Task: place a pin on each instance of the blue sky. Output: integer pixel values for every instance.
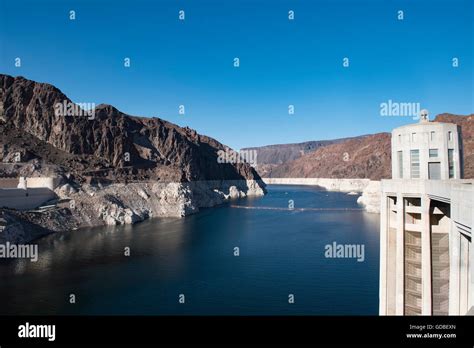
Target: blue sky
(283, 62)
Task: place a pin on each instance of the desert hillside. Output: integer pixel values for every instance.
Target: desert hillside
(110, 145)
(363, 157)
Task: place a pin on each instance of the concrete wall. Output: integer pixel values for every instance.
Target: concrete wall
(462, 205)
(50, 183)
(458, 196)
(32, 182)
(25, 199)
(37, 192)
(423, 137)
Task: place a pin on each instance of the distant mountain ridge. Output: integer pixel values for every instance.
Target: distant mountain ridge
(363, 157)
(282, 153)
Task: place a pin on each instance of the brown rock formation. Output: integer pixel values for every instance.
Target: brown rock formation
(365, 157)
(112, 145)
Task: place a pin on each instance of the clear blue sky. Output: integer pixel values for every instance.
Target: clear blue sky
(282, 62)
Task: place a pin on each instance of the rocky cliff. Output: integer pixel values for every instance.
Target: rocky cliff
(114, 168)
(109, 143)
(365, 157)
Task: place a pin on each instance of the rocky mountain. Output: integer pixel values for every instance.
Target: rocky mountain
(282, 153)
(364, 157)
(104, 143)
(110, 168)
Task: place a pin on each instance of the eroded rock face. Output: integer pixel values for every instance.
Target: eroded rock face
(366, 157)
(113, 168)
(371, 197)
(127, 204)
(22, 227)
(105, 143)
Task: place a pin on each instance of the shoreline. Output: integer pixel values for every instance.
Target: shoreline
(120, 204)
(369, 189)
(342, 185)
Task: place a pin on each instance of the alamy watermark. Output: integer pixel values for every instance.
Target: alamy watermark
(345, 251)
(400, 109)
(67, 108)
(233, 157)
(19, 251)
(28, 330)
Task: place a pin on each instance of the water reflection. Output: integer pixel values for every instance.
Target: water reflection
(281, 251)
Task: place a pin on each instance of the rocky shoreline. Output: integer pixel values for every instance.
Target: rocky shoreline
(116, 204)
(108, 168)
(133, 202)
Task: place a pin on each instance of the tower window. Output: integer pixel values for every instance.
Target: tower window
(400, 164)
(450, 135)
(433, 153)
(415, 164)
(451, 163)
(432, 135)
(413, 136)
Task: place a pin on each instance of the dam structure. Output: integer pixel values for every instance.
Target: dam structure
(426, 222)
(25, 193)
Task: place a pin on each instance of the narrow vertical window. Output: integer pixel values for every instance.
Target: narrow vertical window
(450, 135)
(400, 164)
(432, 135)
(415, 164)
(451, 163)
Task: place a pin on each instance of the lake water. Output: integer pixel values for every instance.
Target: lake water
(282, 252)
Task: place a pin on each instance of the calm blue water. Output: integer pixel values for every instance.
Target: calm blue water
(281, 253)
